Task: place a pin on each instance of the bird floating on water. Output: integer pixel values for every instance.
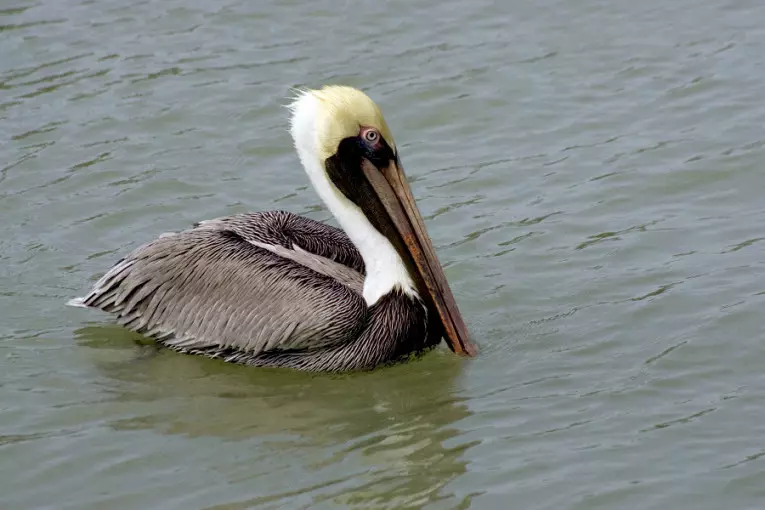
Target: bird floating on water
(274, 289)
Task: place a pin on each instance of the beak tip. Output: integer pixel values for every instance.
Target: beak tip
(464, 348)
(470, 350)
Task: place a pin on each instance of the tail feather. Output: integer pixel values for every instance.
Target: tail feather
(79, 302)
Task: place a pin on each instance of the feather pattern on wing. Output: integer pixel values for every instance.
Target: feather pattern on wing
(242, 285)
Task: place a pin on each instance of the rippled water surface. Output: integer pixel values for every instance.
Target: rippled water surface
(591, 172)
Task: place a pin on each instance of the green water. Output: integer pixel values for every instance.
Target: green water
(592, 176)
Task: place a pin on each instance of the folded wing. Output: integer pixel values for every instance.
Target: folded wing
(240, 286)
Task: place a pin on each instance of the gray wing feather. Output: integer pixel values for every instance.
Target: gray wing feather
(246, 283)
(284, 229)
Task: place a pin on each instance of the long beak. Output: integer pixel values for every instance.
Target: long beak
(392, 189)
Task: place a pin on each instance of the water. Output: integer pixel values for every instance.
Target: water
(591, 174)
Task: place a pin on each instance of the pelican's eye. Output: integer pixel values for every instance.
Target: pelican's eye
(370, 135)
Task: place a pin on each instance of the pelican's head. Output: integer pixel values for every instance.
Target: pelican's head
(341, 112)
(349, 153)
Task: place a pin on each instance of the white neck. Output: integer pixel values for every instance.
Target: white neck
(384, 268)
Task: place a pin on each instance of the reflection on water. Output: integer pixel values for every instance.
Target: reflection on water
(395, 422)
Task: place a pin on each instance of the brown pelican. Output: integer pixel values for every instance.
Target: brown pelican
(280, 290)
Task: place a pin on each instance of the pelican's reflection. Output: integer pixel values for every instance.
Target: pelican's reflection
(395, 420)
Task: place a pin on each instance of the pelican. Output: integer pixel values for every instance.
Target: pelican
(274, 289)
